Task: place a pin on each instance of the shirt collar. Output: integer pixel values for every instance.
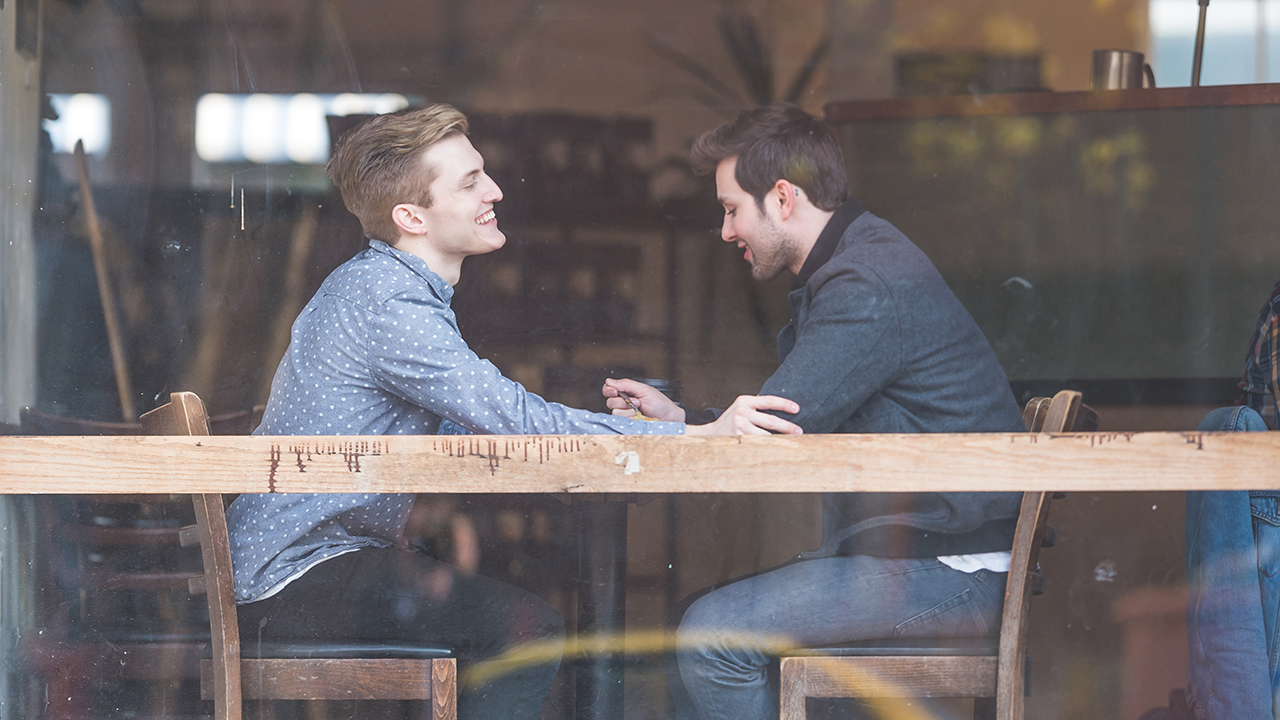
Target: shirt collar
(442, 289)
(827, 242)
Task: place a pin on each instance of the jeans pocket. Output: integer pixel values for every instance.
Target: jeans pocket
(1266, 535)
(1265, 508)
(954, 617)
(1267, 539)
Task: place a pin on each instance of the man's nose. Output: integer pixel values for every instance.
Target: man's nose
(494, 193)
(726, 230)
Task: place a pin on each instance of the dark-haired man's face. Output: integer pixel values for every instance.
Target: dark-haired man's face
(767, 246)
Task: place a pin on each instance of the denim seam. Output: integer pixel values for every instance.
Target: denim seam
(964, 597)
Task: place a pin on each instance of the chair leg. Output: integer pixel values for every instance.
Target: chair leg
(444, 689)
(791, 688)
(984, 709)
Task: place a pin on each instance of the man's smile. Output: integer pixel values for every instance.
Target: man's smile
(486, 218)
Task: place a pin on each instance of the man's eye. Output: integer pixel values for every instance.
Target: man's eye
(729, 212)
(468, 186)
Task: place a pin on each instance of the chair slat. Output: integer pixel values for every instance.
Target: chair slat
(351, 679)
(885, 677)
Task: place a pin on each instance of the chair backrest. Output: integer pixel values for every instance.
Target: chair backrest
(184, 414)
(1070, 414)
(1064, 413)
(1034, 413)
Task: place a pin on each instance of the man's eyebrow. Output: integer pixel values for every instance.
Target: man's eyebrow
(468, 177)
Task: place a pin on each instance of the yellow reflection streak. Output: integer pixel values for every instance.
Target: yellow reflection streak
(857, 684)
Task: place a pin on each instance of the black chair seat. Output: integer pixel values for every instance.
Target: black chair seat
(321, 650)
(914, 647)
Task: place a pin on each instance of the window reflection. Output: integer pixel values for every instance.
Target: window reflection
(274, 128)
(82, 117)
(1242, 41)
(1123, 253)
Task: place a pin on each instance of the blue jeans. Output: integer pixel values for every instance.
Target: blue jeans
(729, 637)
(1233, 557)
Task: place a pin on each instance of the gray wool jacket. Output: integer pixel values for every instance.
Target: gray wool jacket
(878, 343)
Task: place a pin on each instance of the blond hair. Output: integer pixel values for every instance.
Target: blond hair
(378, 164)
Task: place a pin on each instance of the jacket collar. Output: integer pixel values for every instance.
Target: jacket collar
(829, 240)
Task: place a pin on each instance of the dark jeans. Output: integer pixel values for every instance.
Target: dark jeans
(1233, 578)
(728, 638)
(402, 597)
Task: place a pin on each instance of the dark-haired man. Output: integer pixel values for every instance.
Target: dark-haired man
(877, 343)
(377, 351)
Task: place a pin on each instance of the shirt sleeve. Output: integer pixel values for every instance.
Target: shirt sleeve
(848, 348)
(417, 353)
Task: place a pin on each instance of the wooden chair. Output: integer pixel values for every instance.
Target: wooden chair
(296, 670)
(990, 670)
(125, 631)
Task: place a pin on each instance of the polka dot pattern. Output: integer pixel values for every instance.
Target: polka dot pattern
(377, 351)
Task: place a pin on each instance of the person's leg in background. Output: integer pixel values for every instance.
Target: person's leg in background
(1230, 667)
(1266, 531)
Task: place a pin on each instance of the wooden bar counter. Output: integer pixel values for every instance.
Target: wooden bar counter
(634, 464)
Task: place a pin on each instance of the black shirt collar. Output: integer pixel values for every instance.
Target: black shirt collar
(827, 242)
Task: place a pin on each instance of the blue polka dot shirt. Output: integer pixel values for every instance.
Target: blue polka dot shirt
(377, 351)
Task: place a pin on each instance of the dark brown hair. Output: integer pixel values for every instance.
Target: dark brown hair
(378, 164)
(777, 142)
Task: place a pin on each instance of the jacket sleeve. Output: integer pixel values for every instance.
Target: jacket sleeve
(848, 347)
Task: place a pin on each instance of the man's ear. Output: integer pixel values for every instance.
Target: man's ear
(783, 196)
(410, 219)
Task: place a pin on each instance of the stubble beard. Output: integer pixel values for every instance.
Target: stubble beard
(781, 251)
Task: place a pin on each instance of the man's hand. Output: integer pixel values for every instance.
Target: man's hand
(744, 417)
(649, 400)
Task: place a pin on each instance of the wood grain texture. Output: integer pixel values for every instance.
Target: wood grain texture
(226, 674)
(1051, 102)
(328, 679)
(791, 688)
(184, 414)
(444, 689)
(1015, 618)
(955, 676)
(597, 464)
(1063, 410)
